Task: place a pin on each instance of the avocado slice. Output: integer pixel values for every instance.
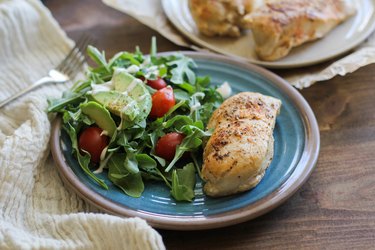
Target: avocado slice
(100, 115)
(119, 104)
(135, 88)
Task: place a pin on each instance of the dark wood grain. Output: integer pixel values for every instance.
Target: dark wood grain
(335, 209)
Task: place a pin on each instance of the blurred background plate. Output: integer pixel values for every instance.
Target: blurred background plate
(297, 145)
(343, 38)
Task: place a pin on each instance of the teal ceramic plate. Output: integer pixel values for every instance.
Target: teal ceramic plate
(296, 151)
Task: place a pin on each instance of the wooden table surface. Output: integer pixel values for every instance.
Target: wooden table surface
(334, 209)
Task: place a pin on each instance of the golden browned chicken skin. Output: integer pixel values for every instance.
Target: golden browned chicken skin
(280, 25)
(241, 146)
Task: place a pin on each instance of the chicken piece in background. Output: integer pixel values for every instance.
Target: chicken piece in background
(241, 147)
(220, 17)
(280, 25)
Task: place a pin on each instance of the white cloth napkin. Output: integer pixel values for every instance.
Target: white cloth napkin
(36, 209)
(150, 13)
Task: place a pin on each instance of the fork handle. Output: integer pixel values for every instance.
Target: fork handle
(24, 91)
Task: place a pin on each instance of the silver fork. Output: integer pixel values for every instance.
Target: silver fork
(65, 71)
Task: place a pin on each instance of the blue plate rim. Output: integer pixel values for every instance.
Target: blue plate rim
(297, 178)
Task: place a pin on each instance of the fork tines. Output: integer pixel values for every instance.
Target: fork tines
(73, 62)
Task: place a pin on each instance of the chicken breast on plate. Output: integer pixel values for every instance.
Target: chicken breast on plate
(280, 25)
(241, 147)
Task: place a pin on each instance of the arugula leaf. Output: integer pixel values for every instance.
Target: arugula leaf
(97, 57)
(149, 168)
(138, 54)
(181, 95)
(192, 141)
(182, 69)
(173, 109)
(163, 71)
(183, 183)
(196, 164)
(145, 161)
(58, 105)
(129, 183)
(76, 117)
(156, 174)
(153, 49)
(178, 122)
(212, 96)
(130, 161)
(81, 86)
(123, 59)
(203, 82)
(153, 137)
(188, 87)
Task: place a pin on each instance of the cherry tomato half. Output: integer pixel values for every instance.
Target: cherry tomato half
(159, 83)
(166, 145)
(93, 142)
(162, 101)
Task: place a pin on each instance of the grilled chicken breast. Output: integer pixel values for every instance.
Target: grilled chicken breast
(241, 147)
(219, 17)
(280, 25)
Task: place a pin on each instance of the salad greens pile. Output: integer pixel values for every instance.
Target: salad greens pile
(114, 99)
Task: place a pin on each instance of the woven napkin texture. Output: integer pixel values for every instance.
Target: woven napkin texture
(36, 209)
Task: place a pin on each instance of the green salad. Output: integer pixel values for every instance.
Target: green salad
(139, 118)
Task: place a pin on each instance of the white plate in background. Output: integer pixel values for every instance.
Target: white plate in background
(343, 38)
